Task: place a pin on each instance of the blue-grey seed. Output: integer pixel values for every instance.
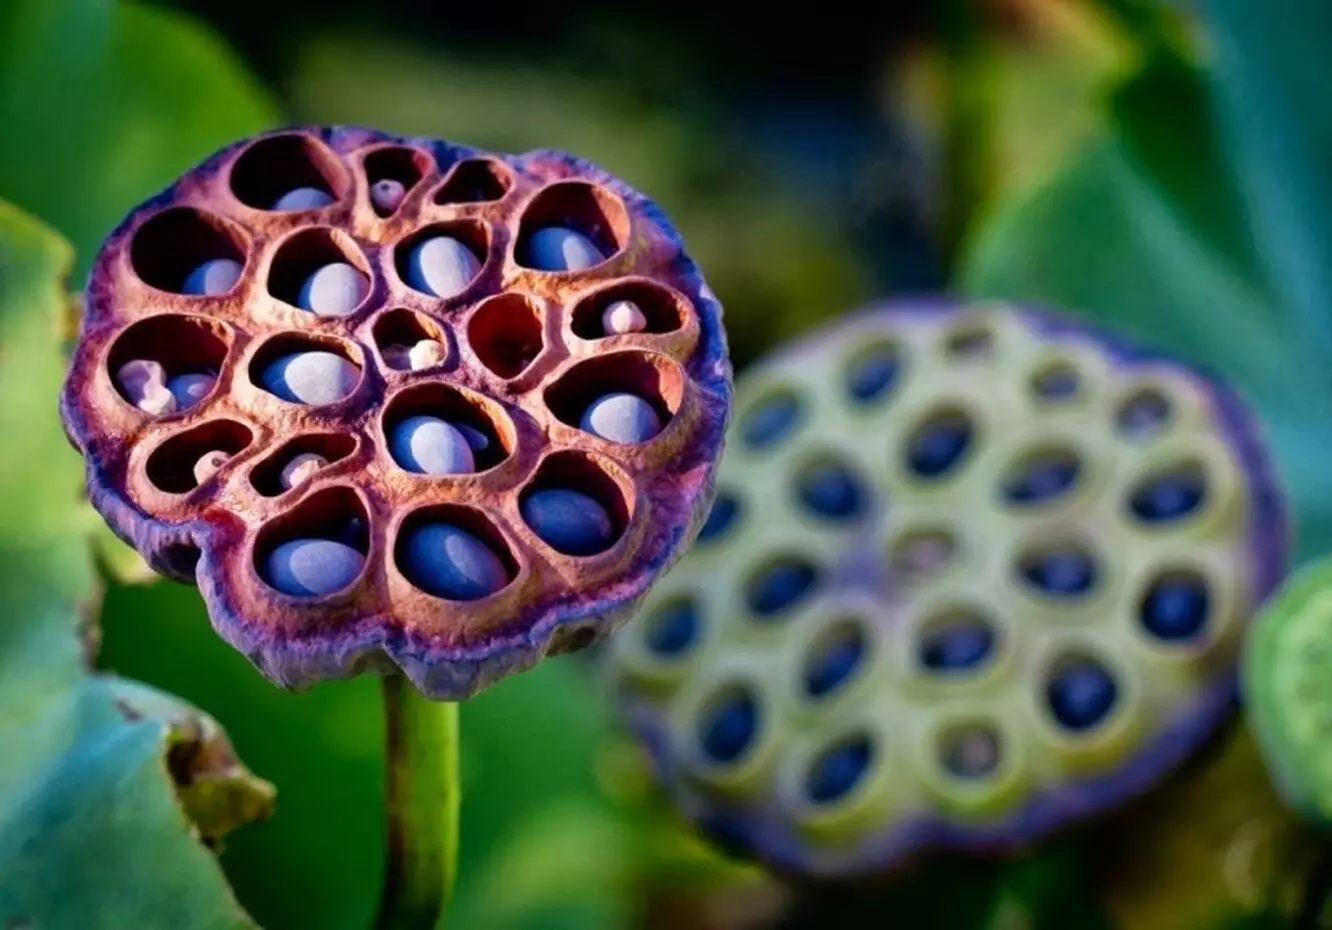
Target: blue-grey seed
(449, 562)
(571, 522)
(313, 567)
(312, 377)
(623, 418)
(213, 277)
(441, 266)
(189, 389)
(431, 446)
(336, 289)
(303, 198)
(557, 248)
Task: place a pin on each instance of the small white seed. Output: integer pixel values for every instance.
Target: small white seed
(208, 465)
(213, 277)
(157, 400)
(336, 289)
(558, 248)
(387, 194)
(441, 266)
(623, 316)
(303, 198)
(301, 468)
(134, 377)
(191, 388)
(427, 353)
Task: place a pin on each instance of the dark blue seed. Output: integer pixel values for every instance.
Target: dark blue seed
(1176, 608)
(1144, 415)
(780, 586)
(834, 663)
(1168, 497)
(673, 628)
(873, 376)
(720, 518)
(1061, 572)
(1041, 479)
(957, 646)
(939, 446)
(1081, 694)
(838, 770)
(730, 728)
(771, 421)
(831, 491)
(1058, 383)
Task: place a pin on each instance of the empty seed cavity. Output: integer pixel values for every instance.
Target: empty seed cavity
(958, 641)
(770, 420)
(454, 553)
(321, 271)
(410, 341)
(1176, 606)
(1063, 570)
(475, 180)
(168, 363)
(1169, 494)
(831, 490)
(971, 341)
(1146, 413)
(1041, 477)
(443, 260)
(632, 305)
(839, 769)
(971, 751)
(392, 171)
(507, 333)
(433, 428)
(305, 371)
(939, 445)
(291, 171)
(872, 375)
(729, 726)
(780, 586)
(834, 660)
(1056, 383)
(318, 548)
(1080, 692)
(574, 505)
(624, 397)
(922, 554)
(725, 511)
(187, 251)
(571, 226)
(190, 458)
(672, 629)
(298, 460)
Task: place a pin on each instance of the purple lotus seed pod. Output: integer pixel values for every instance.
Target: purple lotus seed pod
(945, 601)
(318, 554)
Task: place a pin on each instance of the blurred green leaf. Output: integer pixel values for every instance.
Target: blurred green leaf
(91, 831)
(104, 103)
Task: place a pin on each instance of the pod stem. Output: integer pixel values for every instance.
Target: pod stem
(422, 798)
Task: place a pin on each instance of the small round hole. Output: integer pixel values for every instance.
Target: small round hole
(873, 375)
(454, 553)
(780, 586)
(1176, 607)
(959, 641)
(831, 491)
(972, 751)
(482, 423)
(729, 726)
(274, 167)
(318, 548)
(444, 259)
(939, 445)
(1042, 477)
(506, 333)
(574, 506)
(187, 251)
(673, 628)
(923, 554)
(410, 341)
(634, 305)
(834, 661)
(1057, 383)
(276, 474)
(726, 510)
(624, 397)
(970, 342)
(839, 769)
(1144, 414)
(1059, 571)
(1081, 692)
(174, 466)
(321, 271)
(391, 173)
(1169, 495)
(305, 370)
(571, 226)
(770, 420)
(475, 180)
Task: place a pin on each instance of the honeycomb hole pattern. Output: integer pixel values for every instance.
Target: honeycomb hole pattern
(234, 478)
(1048, 606)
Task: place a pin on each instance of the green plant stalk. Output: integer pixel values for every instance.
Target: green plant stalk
(421, 802)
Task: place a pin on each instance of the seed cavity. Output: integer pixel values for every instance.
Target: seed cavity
(447, 561)
(1081, 693)
(209, 464)
(621, 317)
(621, 417)
(839, 769)
(569, 521)
(1063, 571)
(1176, 607)
(939, 445)
(430, 445)
(311, 377)
(730, 727)
(558, 248)
(958, 642)
(921, 554)
(780, 586)
(970, 752)
(770, 421)
(1057, 383)
(335, 290)
(672, 629)
(1043, 477)
(313, 567)
(834, 661)
(1170, 495)
(300, 469)
(873, 375)
(725, 511)
(830, 490)
(441, 266)
(387, 195)
(213, 277)
(1145, 414)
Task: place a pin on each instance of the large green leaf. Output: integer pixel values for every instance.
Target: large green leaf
(1150, 230)
(103, 103)
(93, 832)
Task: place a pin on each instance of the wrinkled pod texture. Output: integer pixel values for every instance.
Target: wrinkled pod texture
(380, 386)
(974, 573)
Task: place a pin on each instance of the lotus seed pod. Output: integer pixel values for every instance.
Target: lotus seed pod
(936, 609)
(208, 465)
(624, 418)
(303, 198)
(320, 549)
(623, 316)
(213, 277)
(431, 446)
(441, 266)
(336, 289)
(189, 389)
(311, 377)
(300, 469)
(559, 249)
(387, 195)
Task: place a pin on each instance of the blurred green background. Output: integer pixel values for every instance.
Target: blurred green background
(1159, 166)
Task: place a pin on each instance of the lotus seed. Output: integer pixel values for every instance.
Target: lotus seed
(1168, 497)
(189, 389)
(208, 465)
(1175, 608)
(939, 446)
(673, 628)
(780, 586)
(441, 266)
(136, 375)
(570, 522)
(387, 194)
(831, 491)
(299, 469)
(157, 400)
(1081, 695)
(303, 198)
(1043, 478)
(838, 771)
(623, 418)
(427, 353)
(873, 376)
(730, 729)
(213, 277)
(313, 377)
(336, 289)
(431, 446)
(834, 663)
(475, 438)
(957, 646)
(313, 567)
(449, 562)
(1144, 415)
(1061, 572)
(623, 316)
(558, 248)
(770, 421)
(724, 512)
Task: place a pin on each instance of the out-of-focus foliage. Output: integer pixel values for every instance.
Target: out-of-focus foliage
(106, 786)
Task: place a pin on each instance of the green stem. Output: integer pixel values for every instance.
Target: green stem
(421, 804)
